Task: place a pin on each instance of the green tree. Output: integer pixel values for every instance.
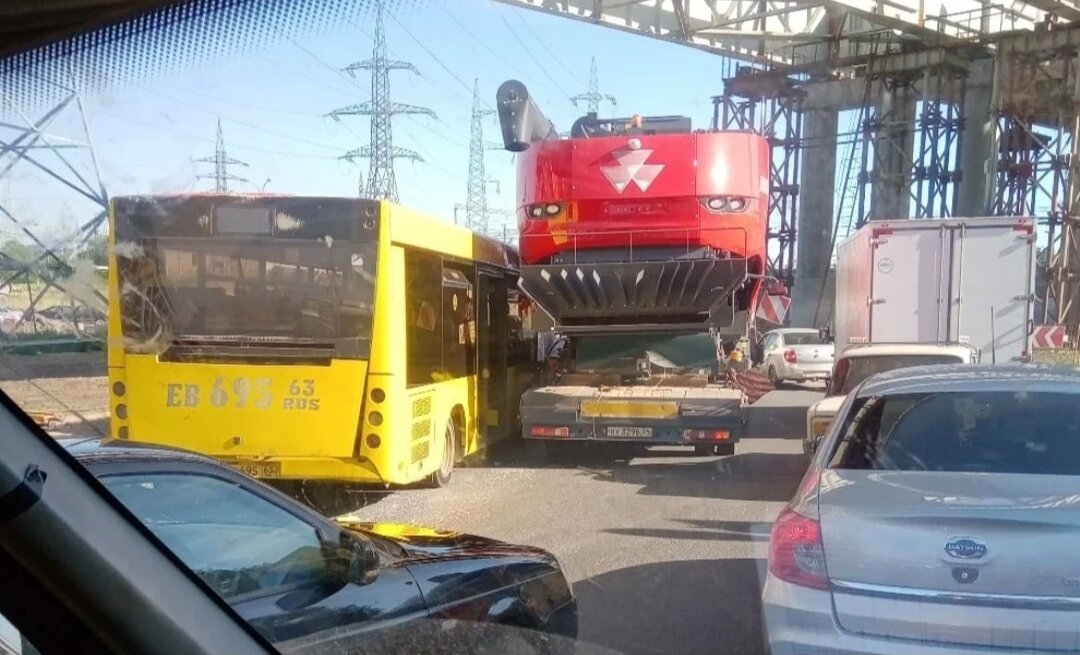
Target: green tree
(96, 249)
(17, 253)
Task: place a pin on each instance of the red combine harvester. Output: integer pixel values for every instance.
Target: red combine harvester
(645, 243)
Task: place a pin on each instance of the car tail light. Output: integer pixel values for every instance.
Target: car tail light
(796, 552)
(789, 357)
(548, 431)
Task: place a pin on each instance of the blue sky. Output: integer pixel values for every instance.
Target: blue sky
(273, 101)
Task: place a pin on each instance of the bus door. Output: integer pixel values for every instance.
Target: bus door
(492, 299)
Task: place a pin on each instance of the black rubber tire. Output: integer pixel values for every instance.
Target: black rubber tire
(442, 476)
(772, 377)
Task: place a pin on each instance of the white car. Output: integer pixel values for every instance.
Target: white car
(857, 363)
(795, 354)
(939, 517)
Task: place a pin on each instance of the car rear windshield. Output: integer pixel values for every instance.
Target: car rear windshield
(980, 432)
(851, 371)
(803, 339)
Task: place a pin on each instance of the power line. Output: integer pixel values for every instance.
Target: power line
(249, 105)
(352, 82)
(258, 128)
(500, 57)
(194, 137)
(529, 52)
(438, 61)
(543, 44)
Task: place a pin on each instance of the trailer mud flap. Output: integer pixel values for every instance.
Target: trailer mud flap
(675, 291)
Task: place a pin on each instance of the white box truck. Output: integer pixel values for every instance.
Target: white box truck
(956, 280)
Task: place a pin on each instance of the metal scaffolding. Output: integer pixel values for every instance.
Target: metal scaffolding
(778, 118)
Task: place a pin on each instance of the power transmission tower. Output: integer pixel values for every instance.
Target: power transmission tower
(381, 152)
(221, 162)
(476, 209)
(593, 97)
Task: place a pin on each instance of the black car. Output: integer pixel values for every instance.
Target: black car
(301, 579)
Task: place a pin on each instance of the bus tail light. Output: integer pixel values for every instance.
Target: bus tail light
(118, 388)
(375, 418)
(378, 395)
(373, 441)
(549, 431)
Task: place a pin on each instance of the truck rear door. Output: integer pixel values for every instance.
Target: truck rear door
(906, 285)
(991, 288)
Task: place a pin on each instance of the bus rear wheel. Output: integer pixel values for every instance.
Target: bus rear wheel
(441, 477)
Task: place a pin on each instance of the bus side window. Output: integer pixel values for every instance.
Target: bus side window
(459, 321)
(423, 304)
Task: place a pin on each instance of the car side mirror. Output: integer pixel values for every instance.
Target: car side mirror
(354, 560)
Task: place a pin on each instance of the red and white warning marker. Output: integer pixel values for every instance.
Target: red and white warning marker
(1048, 336)
(773, 309)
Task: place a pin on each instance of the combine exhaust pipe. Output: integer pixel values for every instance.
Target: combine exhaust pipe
(522, 122)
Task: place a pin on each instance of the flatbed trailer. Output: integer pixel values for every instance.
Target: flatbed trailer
(710, 416)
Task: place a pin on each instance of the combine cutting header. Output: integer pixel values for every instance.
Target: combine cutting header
(638, 222)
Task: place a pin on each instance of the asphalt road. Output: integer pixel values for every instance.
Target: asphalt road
(665, 552)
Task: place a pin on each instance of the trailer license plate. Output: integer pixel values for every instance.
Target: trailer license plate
(620, 431)
(259, 469)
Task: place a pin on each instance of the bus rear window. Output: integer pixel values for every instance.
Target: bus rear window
(247, 290)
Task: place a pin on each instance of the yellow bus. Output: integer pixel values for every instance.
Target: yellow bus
(333, 339)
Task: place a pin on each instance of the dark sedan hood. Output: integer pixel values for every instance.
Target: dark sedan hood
(481, 580)
(427, 543)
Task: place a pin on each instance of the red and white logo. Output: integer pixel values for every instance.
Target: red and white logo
(631, 167)
(774, 309)
(1048, 336)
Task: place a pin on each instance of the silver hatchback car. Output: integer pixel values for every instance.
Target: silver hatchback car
(940, 515)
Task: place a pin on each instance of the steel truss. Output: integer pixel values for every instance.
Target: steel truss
(1037, 160)
(29, 144)
(779, 119)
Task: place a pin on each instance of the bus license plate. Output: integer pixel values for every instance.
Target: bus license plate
(621, 431)
(259, 469)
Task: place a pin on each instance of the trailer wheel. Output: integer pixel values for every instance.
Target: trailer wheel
(441, 477)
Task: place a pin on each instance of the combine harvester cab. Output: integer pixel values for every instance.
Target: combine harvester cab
(633, 222)
(638, 236)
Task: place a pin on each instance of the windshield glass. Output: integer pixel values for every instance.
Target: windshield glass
(852, 371)
(548, 295)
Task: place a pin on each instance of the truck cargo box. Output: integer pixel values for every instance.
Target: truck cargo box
(960, 280)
